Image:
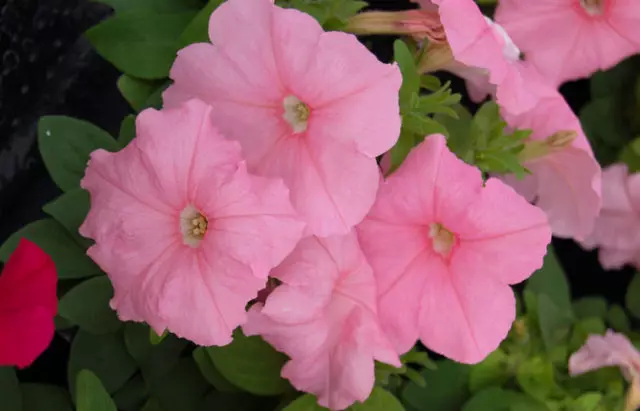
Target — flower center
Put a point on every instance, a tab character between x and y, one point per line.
442	239
593	7
193	226
296	113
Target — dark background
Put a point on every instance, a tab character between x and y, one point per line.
47	67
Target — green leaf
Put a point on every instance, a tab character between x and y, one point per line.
210	373
127	130
154	405
70	259
137	91
41	397
318	11
491	399
198	29
536	378
618	320
10	390
156	339
630	155
493	371
65	145
584	328
345	9
104	355
590	307
446	390
422	125
379	400
586	402
555	325
305	403
133	395
632	298
121	6
142	44
87	305
410	77
91	394
70	210
550	280
251	364
182	388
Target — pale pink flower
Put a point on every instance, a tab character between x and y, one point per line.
324	317
444	248
484	54
570	39
609	350
185	234
566	179
310	107
617	228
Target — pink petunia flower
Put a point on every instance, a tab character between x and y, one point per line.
484	54
617	228
571	39
185	234
444	248
566	179
324	317
28	303
609	350
310	107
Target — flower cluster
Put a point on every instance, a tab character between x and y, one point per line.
261	169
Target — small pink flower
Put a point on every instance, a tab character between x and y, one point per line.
566	179
484	54
444	248
612	349
28	303
310	107
570	39
185	234
324	317
617	228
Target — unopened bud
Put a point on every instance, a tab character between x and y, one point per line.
419	24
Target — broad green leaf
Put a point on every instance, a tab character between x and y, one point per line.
251	364
493	371
632	297
210	373
41	397
491	399
137	91
584	328
446	389
616	79
10	393
555	324
91	394
141	43
70	259
550	280
127	130
198	29
618	320
586	402
306	402
590	307
155	361
182	388
410	77
133	395
605	126
104	355
401	150
536	378
87	305
630	155
156	339
65	145
121	6
70	210
379	400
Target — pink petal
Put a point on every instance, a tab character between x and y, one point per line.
464	315
612	349
28	303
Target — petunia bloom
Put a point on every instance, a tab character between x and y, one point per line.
566	179
324	317
186	235
483	52
444	248
571	39
310	107
617	228
609	350
28	303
